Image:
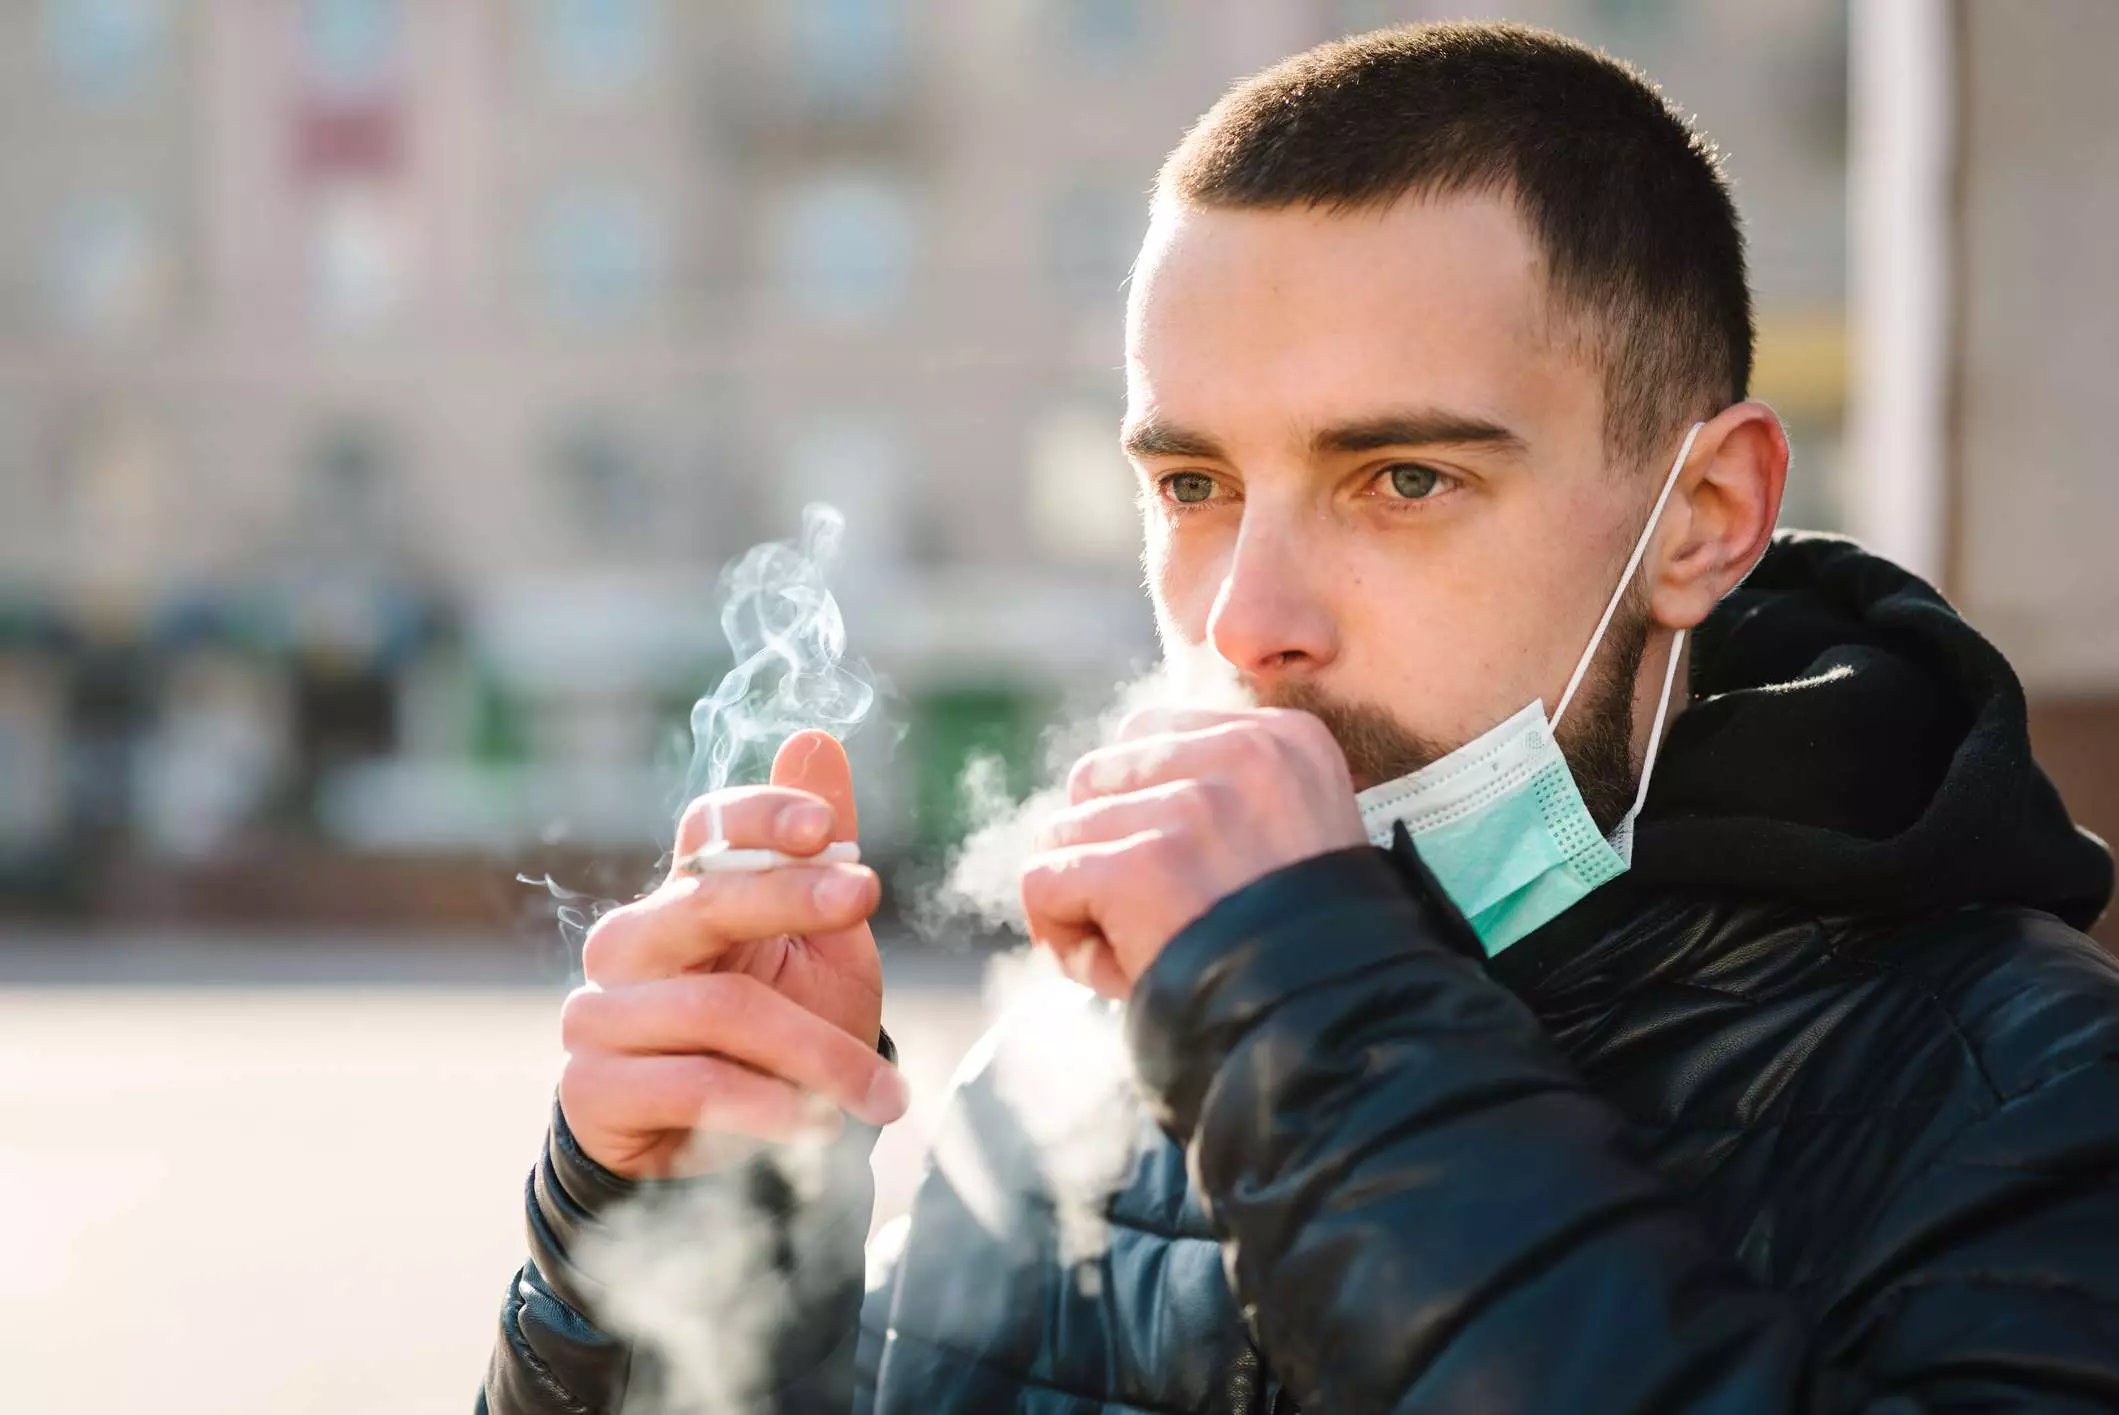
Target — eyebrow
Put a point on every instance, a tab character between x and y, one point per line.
1424	427
1152	437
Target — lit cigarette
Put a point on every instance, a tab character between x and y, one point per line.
719	858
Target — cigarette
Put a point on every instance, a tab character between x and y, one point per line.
719	858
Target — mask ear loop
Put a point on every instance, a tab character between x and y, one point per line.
1655	731
1633	563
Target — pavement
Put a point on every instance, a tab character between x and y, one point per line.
286	1175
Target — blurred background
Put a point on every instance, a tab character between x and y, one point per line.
384	383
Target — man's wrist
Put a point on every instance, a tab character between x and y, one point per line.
594	1188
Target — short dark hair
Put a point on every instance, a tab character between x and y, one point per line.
1625	199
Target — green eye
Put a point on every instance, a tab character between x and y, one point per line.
1414	482
1189	488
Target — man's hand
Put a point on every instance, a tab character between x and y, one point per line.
1186	809
728	1004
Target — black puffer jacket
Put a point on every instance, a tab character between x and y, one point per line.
1816	1109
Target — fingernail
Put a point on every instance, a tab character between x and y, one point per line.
803	823
840	891
888	1097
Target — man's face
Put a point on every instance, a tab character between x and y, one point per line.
1376	480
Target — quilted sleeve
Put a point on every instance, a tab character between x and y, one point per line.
1423	1207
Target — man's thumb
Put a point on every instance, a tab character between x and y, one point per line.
813	761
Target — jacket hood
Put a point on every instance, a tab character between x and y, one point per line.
1853	743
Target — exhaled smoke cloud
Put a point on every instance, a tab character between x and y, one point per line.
1059	1060
981	883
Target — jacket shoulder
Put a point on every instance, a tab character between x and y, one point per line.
2029	998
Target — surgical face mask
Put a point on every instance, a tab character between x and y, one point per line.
1500	822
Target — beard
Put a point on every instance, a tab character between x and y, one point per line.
1596	738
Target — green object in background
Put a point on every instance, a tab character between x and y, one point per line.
500	728
949	728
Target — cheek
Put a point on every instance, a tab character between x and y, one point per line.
1185	568
1431	638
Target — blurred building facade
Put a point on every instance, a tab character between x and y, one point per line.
384	382
2034	504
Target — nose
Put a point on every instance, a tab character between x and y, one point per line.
1270	620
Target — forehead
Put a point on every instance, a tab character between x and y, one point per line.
1298	314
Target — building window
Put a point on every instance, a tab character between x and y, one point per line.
105	50
120	493
1092	233
108	268
350	47
33	733
848	53
598	255
604	487
1107	31
847	246
347	500
1083	502
596	48
1361	16
356	257
1630	16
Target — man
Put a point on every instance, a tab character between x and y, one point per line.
1784	1083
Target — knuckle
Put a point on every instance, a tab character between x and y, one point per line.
742	814
1197	802
570	1097
1083	779
1139	722
1084	872
697	822
1291	729
1249	749
1060	829
1036	887
578	1017
1162	849
1307	733
605	942
1285	742
582	1088
1221	799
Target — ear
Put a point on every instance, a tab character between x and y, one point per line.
1721	515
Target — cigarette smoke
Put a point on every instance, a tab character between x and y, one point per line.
702	1276
705	1276
791	670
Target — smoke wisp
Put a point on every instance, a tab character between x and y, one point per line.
703	1276
791	668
